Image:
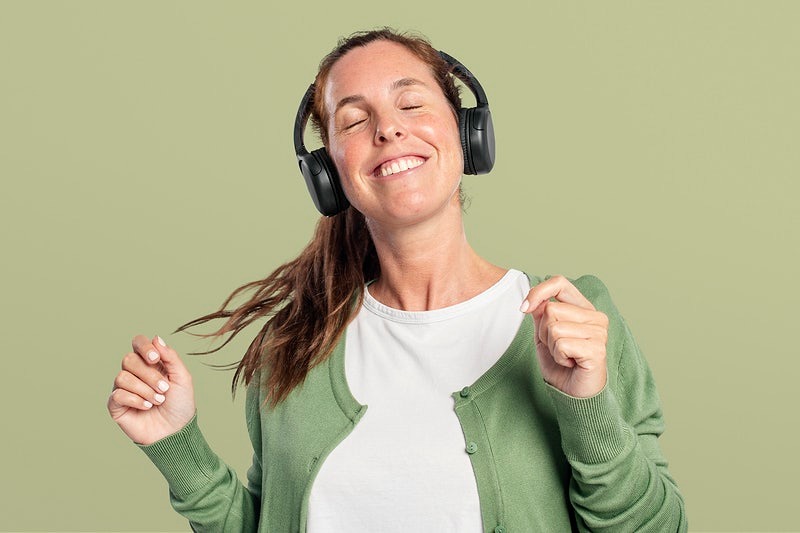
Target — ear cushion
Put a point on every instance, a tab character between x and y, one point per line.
322	181
480	132
466	148
477	139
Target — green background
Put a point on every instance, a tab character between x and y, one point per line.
147	170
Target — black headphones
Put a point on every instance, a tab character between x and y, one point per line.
477	142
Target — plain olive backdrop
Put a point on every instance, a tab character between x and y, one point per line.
147	170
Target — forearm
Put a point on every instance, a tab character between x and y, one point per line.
619	480
202	488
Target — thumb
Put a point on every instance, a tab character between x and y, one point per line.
173	365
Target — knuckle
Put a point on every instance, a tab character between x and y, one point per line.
558	347
544	336
129	359
557	329
562	281
116	395
121	380
136	341
541	331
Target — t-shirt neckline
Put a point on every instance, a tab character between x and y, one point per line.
445	313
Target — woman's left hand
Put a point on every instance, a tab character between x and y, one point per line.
570	337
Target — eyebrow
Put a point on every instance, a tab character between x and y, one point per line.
397	84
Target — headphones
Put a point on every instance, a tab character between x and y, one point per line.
474	123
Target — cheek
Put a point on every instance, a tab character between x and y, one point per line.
450	135
344	160
456	152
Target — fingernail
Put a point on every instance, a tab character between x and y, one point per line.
524	306
152	355
163	386
160	398
147	404
161	341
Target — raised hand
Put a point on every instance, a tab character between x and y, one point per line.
153	395
570	335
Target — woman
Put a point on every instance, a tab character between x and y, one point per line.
351	406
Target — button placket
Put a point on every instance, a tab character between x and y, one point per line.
478	448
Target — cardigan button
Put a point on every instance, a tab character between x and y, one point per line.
465	392
472	448
499	529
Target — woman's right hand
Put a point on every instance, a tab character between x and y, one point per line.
153	395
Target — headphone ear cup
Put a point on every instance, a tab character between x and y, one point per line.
479	132
322	181
466	148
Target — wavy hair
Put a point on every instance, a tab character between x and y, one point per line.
309	301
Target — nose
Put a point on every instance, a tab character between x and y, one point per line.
389	128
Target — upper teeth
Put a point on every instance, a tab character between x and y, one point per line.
399	165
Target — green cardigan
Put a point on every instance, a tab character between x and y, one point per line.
543	461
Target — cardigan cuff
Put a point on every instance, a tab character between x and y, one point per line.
592	429
184	458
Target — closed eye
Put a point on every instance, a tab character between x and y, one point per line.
354	124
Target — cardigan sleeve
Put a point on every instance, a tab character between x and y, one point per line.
202	487
620	480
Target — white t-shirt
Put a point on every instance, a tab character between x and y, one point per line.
404	465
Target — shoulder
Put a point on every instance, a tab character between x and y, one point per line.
596	292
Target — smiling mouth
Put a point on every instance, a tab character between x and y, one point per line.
398	165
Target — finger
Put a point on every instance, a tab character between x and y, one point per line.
553	331
131	383
543	350
144	347
171	361
557	287
563	312
548	314
133	364
585	353
121	400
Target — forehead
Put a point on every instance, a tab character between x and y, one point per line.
370	70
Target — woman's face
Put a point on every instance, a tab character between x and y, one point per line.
392	135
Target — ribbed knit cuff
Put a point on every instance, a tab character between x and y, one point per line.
592	429
184	458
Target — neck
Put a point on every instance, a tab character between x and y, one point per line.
429	266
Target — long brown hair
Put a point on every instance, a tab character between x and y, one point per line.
311	299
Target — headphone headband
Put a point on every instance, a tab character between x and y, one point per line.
303	112
462	73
